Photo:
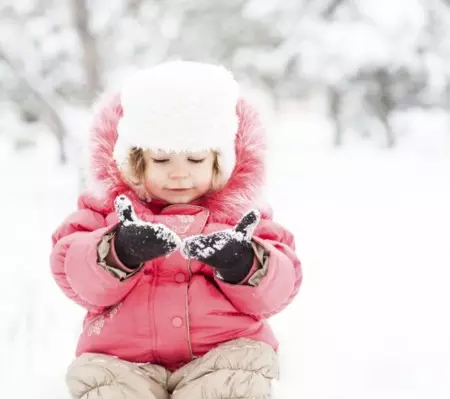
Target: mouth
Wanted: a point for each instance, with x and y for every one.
(178, 190)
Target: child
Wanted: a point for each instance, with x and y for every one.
(169, 252)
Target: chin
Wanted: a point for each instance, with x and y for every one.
(174, 198)
(180, 199)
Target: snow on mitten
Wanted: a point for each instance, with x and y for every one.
(230, 251)
(137, 241)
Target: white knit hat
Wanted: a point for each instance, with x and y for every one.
(180, 106)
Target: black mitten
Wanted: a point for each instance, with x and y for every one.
(137, 241)
(229, 251)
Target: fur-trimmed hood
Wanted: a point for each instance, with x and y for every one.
(241, 192)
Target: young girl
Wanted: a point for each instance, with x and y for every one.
(170, 252)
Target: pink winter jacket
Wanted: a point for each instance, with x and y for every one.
(171, 310)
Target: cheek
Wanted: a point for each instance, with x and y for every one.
(153, 179)
(205, 177)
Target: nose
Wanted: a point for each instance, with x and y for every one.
(178, 172)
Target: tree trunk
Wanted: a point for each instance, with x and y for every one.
(335, 99)
(90, 57)
(386, 105)
(60, 132)
(90, 61)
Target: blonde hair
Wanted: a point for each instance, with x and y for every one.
(136, 168)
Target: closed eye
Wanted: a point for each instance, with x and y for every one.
(196, 160)
(160, 160)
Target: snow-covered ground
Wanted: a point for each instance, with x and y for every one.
(371, 226)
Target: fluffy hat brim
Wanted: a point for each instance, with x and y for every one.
(180, 106)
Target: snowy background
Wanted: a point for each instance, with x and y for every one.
(355, 95)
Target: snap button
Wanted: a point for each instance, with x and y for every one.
(177, 322)
(180, 277)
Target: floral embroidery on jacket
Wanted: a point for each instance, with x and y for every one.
(95, 327)
(180, 224)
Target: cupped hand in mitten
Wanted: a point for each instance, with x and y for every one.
(137, 241)
(229, 251)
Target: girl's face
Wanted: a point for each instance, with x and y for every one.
(178, 178)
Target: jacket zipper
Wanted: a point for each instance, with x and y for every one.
(187, 296)
(187, 311)
(151, 278)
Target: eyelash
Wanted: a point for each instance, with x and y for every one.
(162, 161)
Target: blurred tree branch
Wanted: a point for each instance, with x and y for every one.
(290, 50)
(331, 8)
(47, 103)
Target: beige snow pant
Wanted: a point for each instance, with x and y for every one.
(237, 369)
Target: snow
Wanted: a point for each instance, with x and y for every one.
(370, 320)
(205, 246)
(371, 227)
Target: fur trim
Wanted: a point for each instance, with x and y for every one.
(180, 106)
(241, 193)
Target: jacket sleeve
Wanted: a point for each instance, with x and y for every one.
(74, 261)
(281, 274)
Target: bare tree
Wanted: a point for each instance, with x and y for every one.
(379, 99)
(90, 59)
(386, 104)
